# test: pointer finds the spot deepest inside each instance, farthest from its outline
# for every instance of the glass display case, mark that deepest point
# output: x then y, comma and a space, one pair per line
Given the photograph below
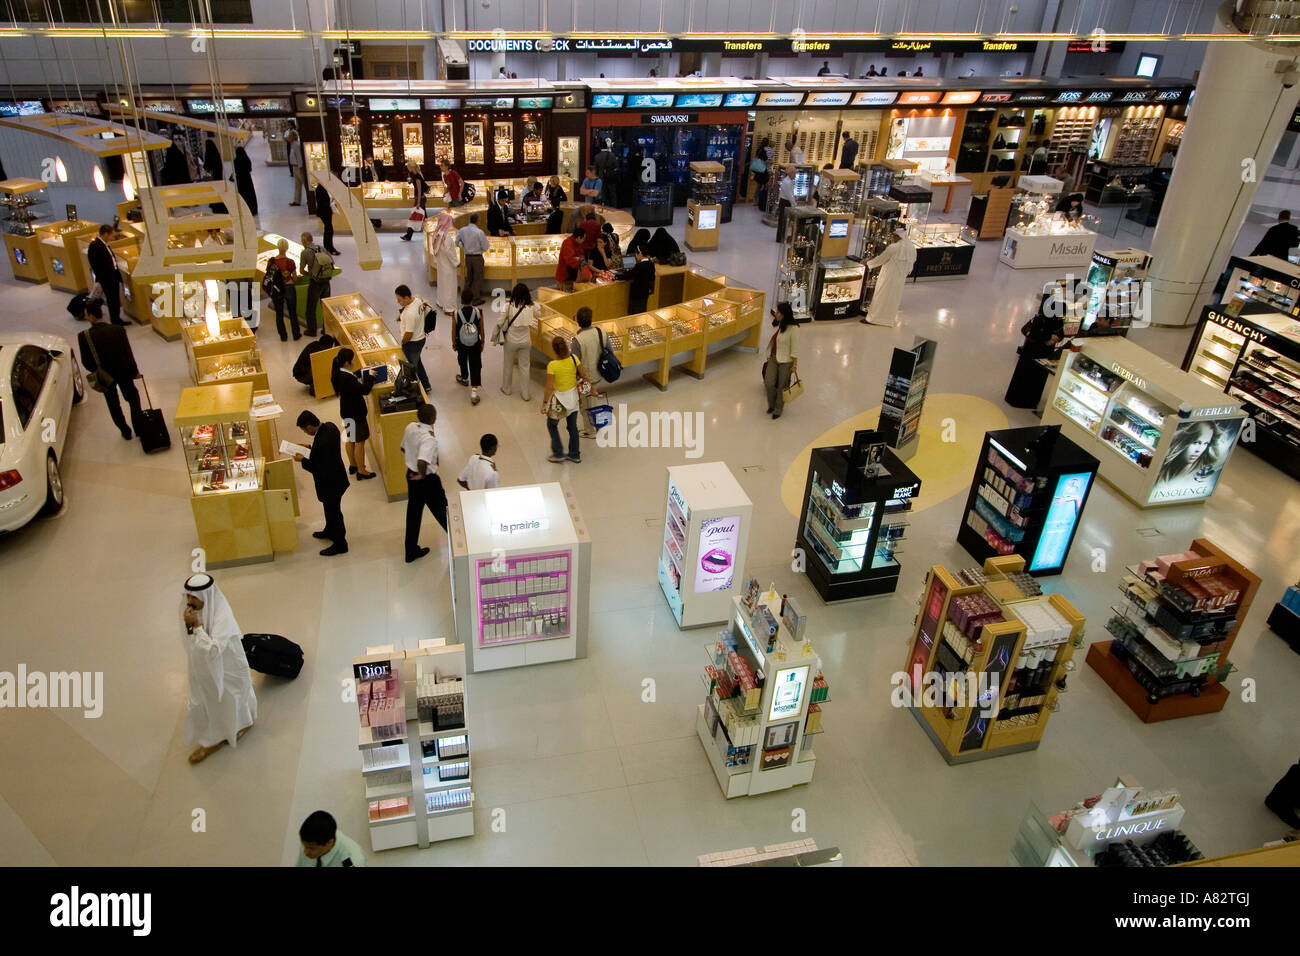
706, 183
646, 336
944, 235
719, 315
350, 142
503, 142
381, 143
839, 191
444, 147
943, 249
797, 275
841, 288
530, 133
913, 206
654, 204
879, 219
538, 251
413, 144
222, 457
498, 261
232, 367
566, 151
474, 141
19, 213
685, 327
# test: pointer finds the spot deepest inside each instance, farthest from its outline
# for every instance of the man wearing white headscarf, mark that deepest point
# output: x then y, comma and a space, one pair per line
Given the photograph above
222, 704
443, 246
894, 262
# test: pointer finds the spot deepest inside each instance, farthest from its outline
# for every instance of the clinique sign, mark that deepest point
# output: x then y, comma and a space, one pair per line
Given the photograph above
1132, 829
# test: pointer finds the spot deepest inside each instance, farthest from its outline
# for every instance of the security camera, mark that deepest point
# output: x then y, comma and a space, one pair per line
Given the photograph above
1290, 78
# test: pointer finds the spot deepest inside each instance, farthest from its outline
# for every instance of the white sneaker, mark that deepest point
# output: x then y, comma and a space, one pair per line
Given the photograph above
473, 396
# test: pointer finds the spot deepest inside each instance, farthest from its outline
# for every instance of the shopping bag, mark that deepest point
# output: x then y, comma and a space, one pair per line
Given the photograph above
794, 389
602, 416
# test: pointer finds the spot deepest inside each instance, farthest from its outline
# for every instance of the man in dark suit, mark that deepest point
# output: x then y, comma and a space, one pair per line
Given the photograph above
1280, 239
107, 349
848, 152
330, 476
642, 282
103, 265
499, 217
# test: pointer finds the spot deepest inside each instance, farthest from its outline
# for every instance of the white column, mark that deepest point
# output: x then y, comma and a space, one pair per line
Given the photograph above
1239, 113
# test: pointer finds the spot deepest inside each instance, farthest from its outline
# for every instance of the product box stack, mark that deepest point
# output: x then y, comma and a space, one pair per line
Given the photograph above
382, 707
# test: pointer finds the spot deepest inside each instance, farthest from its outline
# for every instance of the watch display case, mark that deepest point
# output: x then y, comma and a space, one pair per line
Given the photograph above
503, 142
567, 158
444, 147
1162, 435
530, 132
1254, 357
412, 144
943, 249
840, 281
853, 523
839, 191
222, 457
231, 367
350, 143
799, 269
987, 661
706, 182
535, 257
914, 203
381, 143
474, 131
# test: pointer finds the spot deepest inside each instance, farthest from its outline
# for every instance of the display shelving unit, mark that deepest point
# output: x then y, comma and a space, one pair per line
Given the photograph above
21, 241
414, 743
798, 274
1254, 357
1263, 279
986, 661
905, 390
852, 525
704, 207
1162, 435
521, 575
1027, 497
761, 714
706, 534
1172, 630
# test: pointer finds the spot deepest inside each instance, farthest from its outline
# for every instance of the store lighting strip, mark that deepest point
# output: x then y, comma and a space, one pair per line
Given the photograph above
162, 33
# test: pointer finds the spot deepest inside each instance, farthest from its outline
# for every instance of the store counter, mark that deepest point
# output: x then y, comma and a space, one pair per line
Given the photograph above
57, 244
687, 313
1162, 435
1056, 249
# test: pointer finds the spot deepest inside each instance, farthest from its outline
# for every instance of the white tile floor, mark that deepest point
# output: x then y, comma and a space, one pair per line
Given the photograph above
586, 772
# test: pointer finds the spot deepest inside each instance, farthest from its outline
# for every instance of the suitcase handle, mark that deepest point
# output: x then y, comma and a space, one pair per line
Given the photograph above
145, 386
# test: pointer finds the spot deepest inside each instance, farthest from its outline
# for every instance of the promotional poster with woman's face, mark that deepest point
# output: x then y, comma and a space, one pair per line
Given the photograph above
1196, 458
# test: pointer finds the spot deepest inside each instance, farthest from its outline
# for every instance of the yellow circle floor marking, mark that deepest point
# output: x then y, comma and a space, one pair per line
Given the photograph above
945, 467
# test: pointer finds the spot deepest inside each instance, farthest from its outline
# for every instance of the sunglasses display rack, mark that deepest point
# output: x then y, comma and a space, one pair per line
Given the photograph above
414, 740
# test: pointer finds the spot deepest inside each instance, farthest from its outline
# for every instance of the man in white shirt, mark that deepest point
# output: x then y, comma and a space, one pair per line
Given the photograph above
410, 317
324, 845
785, 194
481, 470
473, 241
423, 486
796, 155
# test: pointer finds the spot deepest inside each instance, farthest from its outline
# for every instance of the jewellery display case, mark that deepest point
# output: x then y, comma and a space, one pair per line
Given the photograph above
530, 133
499, 261
414, 742
520, 571
943, 249
474, 141
244, 501
653, 205
444, 146
1039, 237
357, 325
840, 281
57, 245
1171, 632
839, 191
503, 142
987, 660
350, 143
412, 144
914, 203
798, 272
535, 257
1254, 356
803, 177
21, 243
1162, 435
231, 367
704, 208
762, 709
386, 199
854, 518
706, 535
204, 338
381, 143
1027, 497
567, 156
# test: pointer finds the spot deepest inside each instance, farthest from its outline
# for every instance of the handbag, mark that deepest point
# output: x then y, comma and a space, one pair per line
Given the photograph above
99, 379
584, 387
794, 389
555, 409
499, 333
417, 215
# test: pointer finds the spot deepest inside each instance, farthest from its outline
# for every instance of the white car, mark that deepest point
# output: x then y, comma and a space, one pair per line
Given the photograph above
40, 379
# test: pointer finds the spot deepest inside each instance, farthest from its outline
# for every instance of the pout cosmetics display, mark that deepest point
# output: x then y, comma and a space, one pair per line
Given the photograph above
706, 535
1171, 632
765, 685
414, 744
988, 659
520, 569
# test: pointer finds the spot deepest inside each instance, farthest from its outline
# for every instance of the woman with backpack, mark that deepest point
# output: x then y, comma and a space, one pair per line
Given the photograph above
467, 340
515, 333
761, 166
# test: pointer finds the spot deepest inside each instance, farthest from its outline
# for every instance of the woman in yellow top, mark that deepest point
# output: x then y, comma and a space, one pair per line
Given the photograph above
562, 390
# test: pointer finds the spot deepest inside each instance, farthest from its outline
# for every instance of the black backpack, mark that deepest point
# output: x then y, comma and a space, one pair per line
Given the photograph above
273, 280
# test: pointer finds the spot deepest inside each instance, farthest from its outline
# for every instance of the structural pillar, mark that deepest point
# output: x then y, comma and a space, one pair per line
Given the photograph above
1239, 113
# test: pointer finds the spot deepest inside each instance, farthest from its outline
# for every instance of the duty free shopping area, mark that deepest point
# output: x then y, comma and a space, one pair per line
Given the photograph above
936, 508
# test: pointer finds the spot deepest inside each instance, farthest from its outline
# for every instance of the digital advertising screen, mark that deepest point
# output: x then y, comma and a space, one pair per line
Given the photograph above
787, 692
1062, 518
719, 539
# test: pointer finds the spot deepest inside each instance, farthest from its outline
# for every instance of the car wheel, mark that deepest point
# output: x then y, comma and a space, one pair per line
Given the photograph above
53, 487
78, 383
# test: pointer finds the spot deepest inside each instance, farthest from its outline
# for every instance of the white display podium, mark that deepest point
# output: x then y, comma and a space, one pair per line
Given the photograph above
1050, 250
520, 574
1045, 185
705, 537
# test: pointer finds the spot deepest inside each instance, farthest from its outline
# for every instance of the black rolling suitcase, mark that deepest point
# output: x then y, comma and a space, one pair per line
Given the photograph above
152, 427
273, 654
1284, 800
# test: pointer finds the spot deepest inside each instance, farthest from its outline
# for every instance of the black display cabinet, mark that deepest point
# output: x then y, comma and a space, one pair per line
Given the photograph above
1027, 497
853, 521
1254, 357
654, 205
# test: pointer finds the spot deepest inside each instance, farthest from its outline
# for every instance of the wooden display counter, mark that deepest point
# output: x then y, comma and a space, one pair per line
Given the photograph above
357, 325
25, 257
244, 504
982, 651
59, 253
24, 251
229, 368
687, 313
136, 303
233, 336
